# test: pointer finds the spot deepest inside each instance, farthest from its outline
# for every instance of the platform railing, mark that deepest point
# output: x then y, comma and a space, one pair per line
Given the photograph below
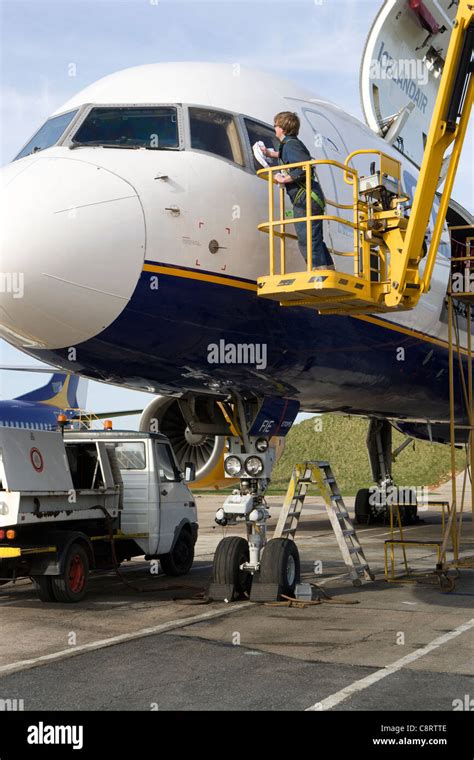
276, 226
362, 253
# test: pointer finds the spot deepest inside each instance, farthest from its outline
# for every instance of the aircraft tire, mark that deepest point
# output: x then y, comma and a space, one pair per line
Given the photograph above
280, 565
409, 515
363, 512
230, 554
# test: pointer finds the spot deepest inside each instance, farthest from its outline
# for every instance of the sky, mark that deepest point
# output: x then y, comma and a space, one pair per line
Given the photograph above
316, 43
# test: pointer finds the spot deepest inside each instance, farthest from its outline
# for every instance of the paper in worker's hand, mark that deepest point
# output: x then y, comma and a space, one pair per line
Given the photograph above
257, 152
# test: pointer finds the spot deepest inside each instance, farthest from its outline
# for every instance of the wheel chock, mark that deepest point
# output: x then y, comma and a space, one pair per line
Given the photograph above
222, 592
264, 592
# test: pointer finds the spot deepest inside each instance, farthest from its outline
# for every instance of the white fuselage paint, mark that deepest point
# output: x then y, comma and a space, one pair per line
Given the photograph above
81, 222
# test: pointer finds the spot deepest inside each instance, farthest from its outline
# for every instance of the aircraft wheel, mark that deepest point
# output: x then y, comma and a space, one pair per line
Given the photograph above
280, 564
362, 507
230, 554
409, 515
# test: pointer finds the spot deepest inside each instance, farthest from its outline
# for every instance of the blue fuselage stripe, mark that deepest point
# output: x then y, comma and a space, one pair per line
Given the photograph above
161, 342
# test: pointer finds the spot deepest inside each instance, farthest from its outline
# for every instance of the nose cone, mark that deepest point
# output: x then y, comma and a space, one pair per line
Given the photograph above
72, 250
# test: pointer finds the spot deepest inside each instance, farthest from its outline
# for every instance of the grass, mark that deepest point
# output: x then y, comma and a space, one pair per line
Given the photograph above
340, 440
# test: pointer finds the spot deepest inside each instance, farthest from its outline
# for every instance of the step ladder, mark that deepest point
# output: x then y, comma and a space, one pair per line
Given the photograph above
321, 475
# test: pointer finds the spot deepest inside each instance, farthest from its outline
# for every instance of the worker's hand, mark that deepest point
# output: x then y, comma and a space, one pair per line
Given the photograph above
280, 178
264, 150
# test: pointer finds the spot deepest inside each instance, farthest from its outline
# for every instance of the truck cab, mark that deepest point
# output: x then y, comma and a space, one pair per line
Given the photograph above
89, 500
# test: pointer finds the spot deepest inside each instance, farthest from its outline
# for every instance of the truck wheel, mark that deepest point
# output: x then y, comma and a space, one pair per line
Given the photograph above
362, 507
43, 587
180, 560
280, 565
72, 584
230, 554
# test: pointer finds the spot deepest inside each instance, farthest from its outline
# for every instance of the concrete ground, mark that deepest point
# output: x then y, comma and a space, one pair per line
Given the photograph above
380, 646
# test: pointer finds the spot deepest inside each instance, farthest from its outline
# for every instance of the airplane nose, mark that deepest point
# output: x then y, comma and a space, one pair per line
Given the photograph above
72, 250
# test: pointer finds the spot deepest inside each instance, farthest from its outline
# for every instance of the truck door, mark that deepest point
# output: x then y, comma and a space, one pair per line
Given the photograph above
136, 518
174, 495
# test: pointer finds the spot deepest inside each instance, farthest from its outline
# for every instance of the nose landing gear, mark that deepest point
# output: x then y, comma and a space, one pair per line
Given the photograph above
252, 567
275, 574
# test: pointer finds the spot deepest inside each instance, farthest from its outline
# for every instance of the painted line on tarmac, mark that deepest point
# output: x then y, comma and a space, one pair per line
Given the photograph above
332, 578
405, 530
329, 702
45, 659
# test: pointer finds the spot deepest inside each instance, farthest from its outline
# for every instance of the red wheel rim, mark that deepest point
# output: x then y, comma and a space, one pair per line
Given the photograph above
77, 574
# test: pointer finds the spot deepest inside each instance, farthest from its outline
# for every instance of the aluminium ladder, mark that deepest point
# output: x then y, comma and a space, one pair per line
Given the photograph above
321, 475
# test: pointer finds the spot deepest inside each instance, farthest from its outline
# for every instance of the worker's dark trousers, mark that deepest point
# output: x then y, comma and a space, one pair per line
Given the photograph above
320, 254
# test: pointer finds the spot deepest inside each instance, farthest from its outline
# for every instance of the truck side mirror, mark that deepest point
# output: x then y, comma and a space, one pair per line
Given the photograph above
189, 472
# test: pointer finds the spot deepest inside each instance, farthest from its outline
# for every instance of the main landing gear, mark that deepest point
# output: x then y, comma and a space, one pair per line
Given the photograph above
373, 504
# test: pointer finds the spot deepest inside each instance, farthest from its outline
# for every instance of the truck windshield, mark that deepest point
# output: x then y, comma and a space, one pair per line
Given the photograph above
130, 127
48, 135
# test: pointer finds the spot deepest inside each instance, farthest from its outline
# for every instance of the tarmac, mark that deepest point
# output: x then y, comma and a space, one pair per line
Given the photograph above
384, 645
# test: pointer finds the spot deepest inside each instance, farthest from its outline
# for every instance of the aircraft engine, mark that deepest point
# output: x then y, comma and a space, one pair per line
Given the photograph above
205, 450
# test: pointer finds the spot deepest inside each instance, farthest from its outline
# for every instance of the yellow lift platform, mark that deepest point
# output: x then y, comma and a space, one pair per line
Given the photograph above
388, 245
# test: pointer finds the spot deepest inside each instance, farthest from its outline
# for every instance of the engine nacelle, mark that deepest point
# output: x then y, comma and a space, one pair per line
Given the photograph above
206, 451
163, 414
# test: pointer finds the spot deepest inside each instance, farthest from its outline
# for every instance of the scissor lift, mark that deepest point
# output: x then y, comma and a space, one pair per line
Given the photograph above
388, 246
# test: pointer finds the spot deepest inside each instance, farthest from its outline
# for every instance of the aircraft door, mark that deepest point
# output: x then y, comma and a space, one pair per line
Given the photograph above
328, 144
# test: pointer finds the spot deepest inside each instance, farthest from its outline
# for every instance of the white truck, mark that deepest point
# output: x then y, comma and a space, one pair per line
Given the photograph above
87, 501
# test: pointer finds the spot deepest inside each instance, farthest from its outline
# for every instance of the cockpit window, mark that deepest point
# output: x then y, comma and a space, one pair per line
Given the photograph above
48, 135
261, 132
154, 128
215, 132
